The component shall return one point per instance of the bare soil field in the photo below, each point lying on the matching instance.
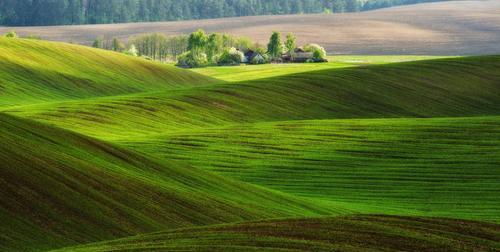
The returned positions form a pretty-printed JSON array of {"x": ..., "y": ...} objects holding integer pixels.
[{"x": 441, "y": 28}]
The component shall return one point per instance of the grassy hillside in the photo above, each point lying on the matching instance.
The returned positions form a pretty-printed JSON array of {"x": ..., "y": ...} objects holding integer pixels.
[
  {"x": 175, "y": 149},
  {"x": 253, "y": 72},
  {"x": 59, "y": 188},
  {"x": 34, "y": 71},
  {"x": 438, "y": 166},
  {"x": 435, "y": 88},
  {"x": 356, "y": 233}
]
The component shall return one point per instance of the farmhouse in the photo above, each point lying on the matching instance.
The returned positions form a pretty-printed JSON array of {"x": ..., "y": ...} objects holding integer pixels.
[
  {"x": 299, "y": 56},
  {"x": 253, "y": 57}
]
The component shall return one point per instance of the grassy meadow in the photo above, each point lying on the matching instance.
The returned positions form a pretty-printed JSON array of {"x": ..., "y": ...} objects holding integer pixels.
[
  {"x": 380, "y": 233},
  {"x": 252, "y": 72},
  {"x": 372, "y": 153},
  {"x": 411, "y": 164}
]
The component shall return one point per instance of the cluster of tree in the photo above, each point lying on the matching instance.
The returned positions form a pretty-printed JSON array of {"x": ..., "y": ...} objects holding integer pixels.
[
  {"x": 378, "y": 4},
  {"x": 154, "y": 46},
  {"x": 220, "y": 49},
  {"x": 67, "y": 12},
  {"x": 201, "y": 49},
  {"x": 11, "y": 34},
  {"x": 215, "y": 48},
  {"x": 159, "y": 47}
]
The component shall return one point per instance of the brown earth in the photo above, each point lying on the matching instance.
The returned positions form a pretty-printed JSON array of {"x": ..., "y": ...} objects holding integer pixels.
[{"x": 442, "y": 28}]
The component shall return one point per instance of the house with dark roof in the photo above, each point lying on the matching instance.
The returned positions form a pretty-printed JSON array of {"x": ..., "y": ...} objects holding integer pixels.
[
  {"x": 299, "y": 56},
  {"x": 253, "y": 57}
]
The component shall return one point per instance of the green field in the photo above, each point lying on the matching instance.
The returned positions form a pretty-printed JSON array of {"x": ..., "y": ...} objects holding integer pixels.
[
  {"x": 253, "y": 72},
  {"x": 97, "y": 146},
  {"x": 412, "y": 164},
  {"x": 435, "y": 88},
  {"x": 34, "y": 71},
  {"x": 353, "y": 233},
  {"x": 58, "y": 186}
]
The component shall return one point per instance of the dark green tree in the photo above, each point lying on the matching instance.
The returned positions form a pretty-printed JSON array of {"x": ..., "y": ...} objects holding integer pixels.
[
  {"x": 274, "y": 47},
  {"x": 197, "y": 41},
  {"x": 214, "y": 46}
]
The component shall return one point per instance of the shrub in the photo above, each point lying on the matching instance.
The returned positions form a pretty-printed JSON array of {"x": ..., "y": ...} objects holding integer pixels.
[
  {"x": 132, "y": 51},
  {"x": 259, "y": 59},
  {"x": 231, "y": 57},
  {"x": 11, "y": 34},
  {"x": 318, "y": 56},
  {"x": 319, "y": 53},
  {"x": 191, "y": 60}
]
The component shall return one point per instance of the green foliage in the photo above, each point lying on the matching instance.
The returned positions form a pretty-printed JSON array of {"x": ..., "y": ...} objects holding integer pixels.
[
  {"x": 215, "y": 46},
  {"x": 191, "y": 59},
  {"x": 243, "y": 44},
  {"x": 319, "y": 56},
  {"x": 117, "y": 45},
  {"x": 259, "y": 59},
  {"x": 319, "y": 53},
  {"x": 197, "y": 41},
  {"x": 230, "y": 57},
  {"x": 98, "y": 43},
  {"x": 159, "y": 47},
  {"x": 221, "y": 49},
  {"x": 11, "y": 34},
  {"x": 274, "y": 47},
  {"x": 68, "y": 12},
  {"x": 132, "y": 51},
  {"x": 315, "y": 47},
  {"x": 290, "y": 44}
]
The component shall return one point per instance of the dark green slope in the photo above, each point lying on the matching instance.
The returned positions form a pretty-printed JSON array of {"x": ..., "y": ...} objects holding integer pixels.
[
  {"x": 59, "y": 188},
  {"x": 35, "y": 71},
  {"x": 435, "y": 88},
  {"x": 437, "y": 166},
  {"x": 352, "y": 233}
]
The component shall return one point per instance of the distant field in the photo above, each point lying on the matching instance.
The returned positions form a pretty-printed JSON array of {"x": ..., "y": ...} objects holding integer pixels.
[{"x": 442, "y": 28}]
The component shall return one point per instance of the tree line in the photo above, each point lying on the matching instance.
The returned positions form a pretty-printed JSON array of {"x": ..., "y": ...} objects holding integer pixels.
[
  {"x": 201, "y": 49},
  {"x": 72, "y": 12},
  {"x": 163, "y": 48}
]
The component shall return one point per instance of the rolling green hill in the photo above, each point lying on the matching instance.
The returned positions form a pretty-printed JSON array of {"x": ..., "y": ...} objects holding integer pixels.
[
  {"x": 96, "y": 146},
  {"x": 355, "y": 233},
  {"x": 435, "y": 88},
  {"x": 437, "y": 166},
  {"x": 60, "y": 188},
  {"x": 35, "y": 71}
]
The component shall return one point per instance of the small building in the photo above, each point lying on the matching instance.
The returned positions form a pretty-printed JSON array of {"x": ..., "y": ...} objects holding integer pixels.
[
  {"x": 248, "y": 56},
  {"x": 299, "y": 56},
  {"x": 252, "y": 57}
]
